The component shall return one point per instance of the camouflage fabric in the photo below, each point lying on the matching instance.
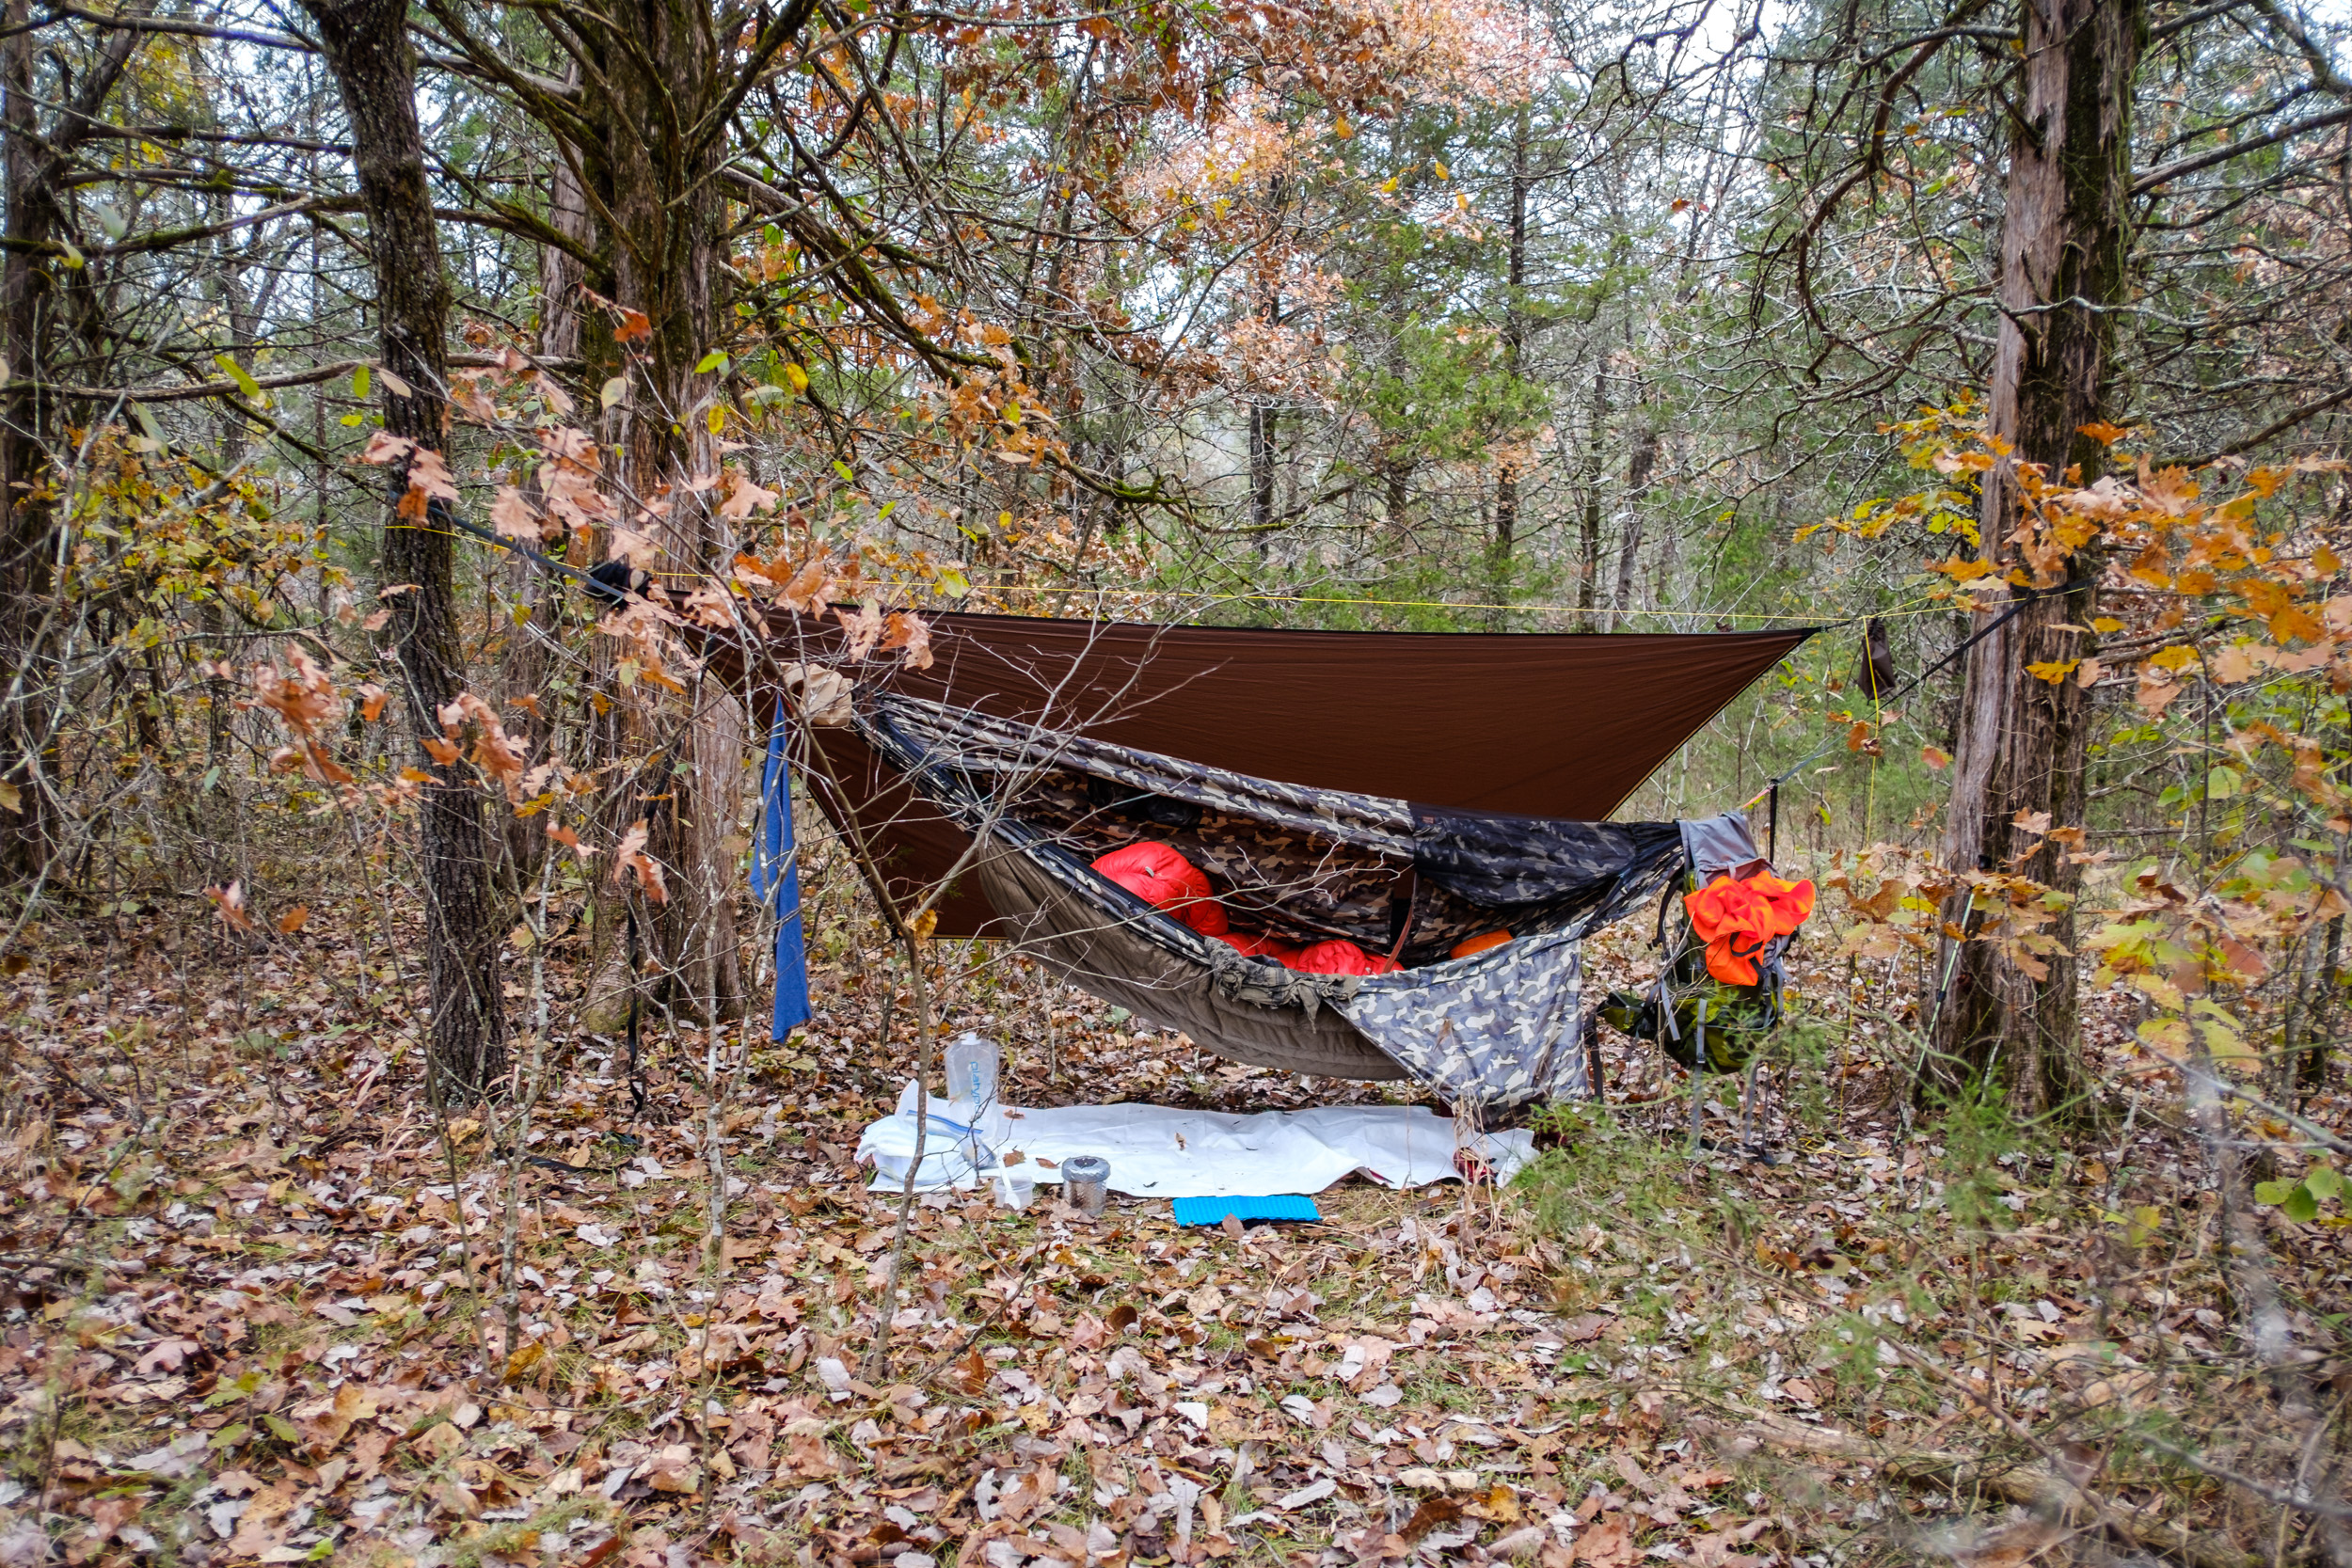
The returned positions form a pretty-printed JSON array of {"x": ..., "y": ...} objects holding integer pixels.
[
  {"x": 1500, "y": 1028},
  {"x": 980, "y": 746},
  {"x": 1551, "y": 870},
  {"x": 1504, "y": 1027}
]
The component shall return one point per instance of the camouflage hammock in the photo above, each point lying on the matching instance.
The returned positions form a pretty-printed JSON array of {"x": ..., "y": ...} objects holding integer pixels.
[{"x": 1502, "y": 1027}]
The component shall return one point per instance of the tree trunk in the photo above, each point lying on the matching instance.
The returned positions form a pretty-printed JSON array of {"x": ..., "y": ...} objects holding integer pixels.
[
  {"x": 24, "y": 515},
  {"x": 2311, "y": 1074},
  {"x": 647, "y": 128},
  {"x": 1514, "y": 341},
  {"x": 31, "y": 157},
  {"x": 1588, "y": 564},
  {"x": 1261, "y": 454},
  {"x": 1265, "y": 422},
  {"x": 1396, "y": 500},
  {"x": 1641, "y": 461},
  {"x": 366, "y": 43},
  {"x": 536, "y": 606},
  {"x": 2024, "y": 741},
  {"x": 662, "y": 194}
]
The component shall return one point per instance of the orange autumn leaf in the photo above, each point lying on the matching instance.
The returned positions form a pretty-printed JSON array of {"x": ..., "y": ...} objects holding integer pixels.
[
  {"x": 913, "y": 633},
  {"x": 569, "y": 840},
  {"x": 744, "y": 497},
  {"x": 305, "y": 698},
  {"x": 864, "y": 629},
  {"x": 630, "y": 856},
  {"x": 495, "y": 751},
  {"x": 384, "y": 447},
  {"x": 428, "y": 472},
  {"x": 229, "y": 902},
  {"x": 513, "y": 516}
]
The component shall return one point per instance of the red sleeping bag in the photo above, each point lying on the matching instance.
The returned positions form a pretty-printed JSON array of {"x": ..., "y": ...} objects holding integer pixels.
[
  {"x": 1251, "y": 946},
  {"x": 1166, "y": 881},
  {"x": 1340, "y": 956}
]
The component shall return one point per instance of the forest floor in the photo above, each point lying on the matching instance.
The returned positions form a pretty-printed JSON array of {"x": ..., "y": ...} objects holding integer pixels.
[{"x": 256, "y": 1310}]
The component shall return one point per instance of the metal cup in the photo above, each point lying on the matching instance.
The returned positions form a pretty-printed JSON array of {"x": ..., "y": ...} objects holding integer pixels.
[{"x": 1085, "y": 1183}]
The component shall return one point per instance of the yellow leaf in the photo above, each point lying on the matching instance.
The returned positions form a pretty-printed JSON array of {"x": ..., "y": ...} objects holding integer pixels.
[
  {"x": 2052, "y": 671},
  {"x": 245, "y": 384},
  {"x": 13, "y": 798},
  {"x": 2229, "y": 1048},
  {"x": 2167, "y": 1037}
]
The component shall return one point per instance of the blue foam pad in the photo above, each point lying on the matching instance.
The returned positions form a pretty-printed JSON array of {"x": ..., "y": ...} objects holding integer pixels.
[{"x": 1212, "y": 1211}]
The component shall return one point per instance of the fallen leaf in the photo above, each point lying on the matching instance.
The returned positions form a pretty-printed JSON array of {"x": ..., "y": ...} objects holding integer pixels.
[{"x": 1605, "y": 1544}]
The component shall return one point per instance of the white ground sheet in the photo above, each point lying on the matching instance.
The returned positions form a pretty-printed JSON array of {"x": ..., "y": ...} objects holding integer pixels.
[{"x": 1155, "y": 1151}]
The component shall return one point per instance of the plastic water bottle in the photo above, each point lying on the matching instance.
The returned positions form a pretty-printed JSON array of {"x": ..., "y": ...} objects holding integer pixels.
[
  {"x": 971, "y": 1062},
  {"x": 971, "y": 1098}
]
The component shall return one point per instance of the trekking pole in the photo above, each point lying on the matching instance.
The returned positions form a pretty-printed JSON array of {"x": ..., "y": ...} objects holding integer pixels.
[{"x": 1698, "y": 1078}]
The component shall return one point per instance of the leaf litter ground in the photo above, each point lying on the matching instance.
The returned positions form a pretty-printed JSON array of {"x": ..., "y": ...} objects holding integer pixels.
[{"x": 257, "y": 1312}]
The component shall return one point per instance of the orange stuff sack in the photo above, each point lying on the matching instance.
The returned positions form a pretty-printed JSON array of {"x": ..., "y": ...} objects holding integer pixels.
[
  {"x": 1479, "y": 943},
  {"x": 1251, "y": 946},
  {"x": 1166, "y": 881},
  {"x": 1340, "y": 956}
]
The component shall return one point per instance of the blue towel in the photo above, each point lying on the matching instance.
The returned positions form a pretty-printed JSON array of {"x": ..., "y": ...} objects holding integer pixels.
[
  {"x": 1212, "y": 1211},
  {"x": 776, "y": 882}
]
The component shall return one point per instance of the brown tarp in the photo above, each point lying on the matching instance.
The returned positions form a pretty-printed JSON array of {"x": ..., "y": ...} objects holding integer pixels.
[{"x": 1540, "y": 724}]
